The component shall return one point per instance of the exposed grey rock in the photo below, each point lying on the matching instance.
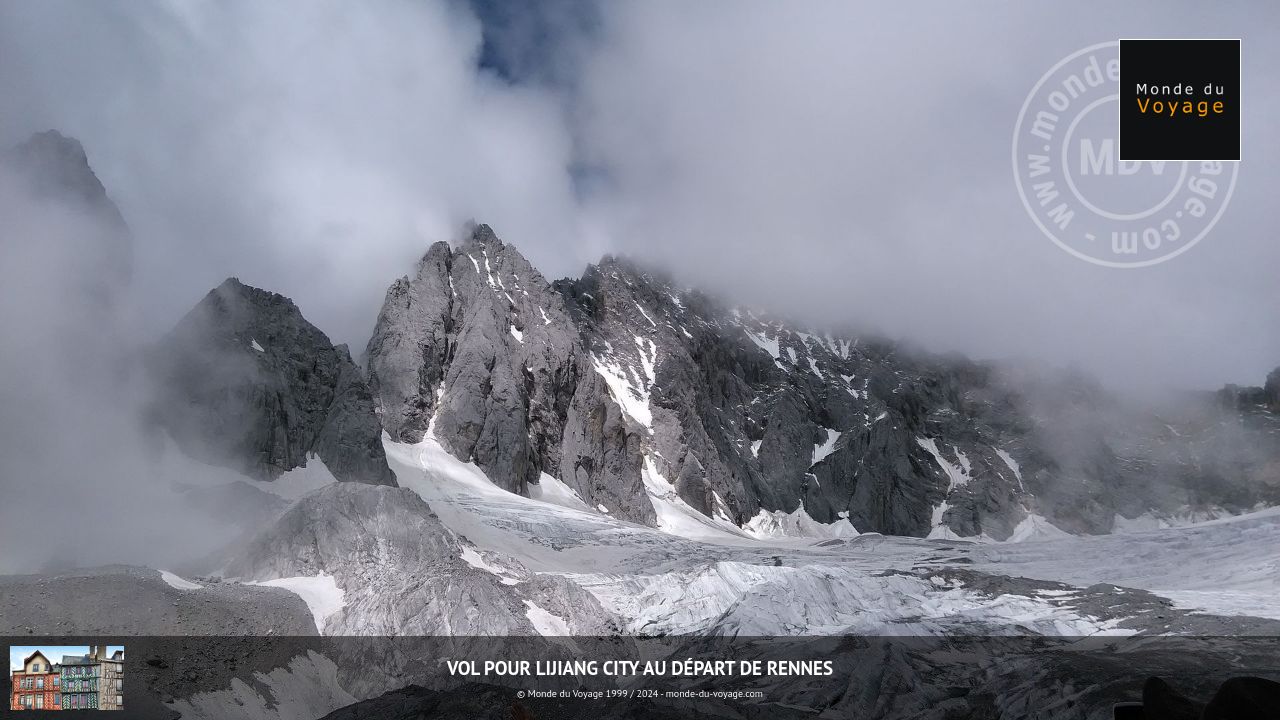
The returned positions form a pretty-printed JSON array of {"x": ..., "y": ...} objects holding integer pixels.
[
  {"x": 244, "y": 381},
  {"x": 599, "y": 380},
  {"x": 125, "y": 601},
  {"x": 479, "y": 347},
  {"x": 403, "y": 572}
]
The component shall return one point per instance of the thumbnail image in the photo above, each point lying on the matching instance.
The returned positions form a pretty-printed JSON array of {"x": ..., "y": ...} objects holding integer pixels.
[{"x": 66, "y": 677}]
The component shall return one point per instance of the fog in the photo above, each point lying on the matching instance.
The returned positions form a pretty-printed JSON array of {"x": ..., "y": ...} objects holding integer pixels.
[
  {"x": 841, "y": 163},
  {"x": 835, "y": 162}
]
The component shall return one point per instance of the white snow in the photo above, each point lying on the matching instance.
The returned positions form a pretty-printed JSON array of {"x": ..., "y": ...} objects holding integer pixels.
[
  {"x": 177, "y": 582},
  {"x": 632, "y": 397},
  {"x": 748, "y": 599},
  {"x": 546, "y": 623},
  {"x": 519, "y": 336},
  {"x": 675, "y": 516},
  {"x": 813, "y": 367},
  {"x": 494, "y": 284},
  {"x": 957, "y": 476},
  {"x": 755, "y": 447},
  {"x": 552, "y": 490},
  {"x": 826, "y": 448},
  {"x": 768, "y": 345},
  {"x": 1013, "y": 465},
  {"x": 545, "y": 320},
  {"x": 1227, "y": 566},
  {"x": 1036, "y": 528},
  {"x": 700, "y": 574},
  {"x": 648, "y": 359},
  {"x": 474, "y": 263},
  {"x": 798, "y": 523},
  {"x": 476, "y": 560},
  {"x": 254, "y": 344},
  {"x": 1182, "y": 518},
  {"x": 321, "y": 594},
  {"x": 646, "y": 315}
]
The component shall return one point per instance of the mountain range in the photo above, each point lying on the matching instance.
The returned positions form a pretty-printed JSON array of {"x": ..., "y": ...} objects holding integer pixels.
[{"x": 619, "y": 456}]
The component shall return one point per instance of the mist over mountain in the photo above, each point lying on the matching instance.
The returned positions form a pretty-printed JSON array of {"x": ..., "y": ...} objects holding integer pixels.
[
  {"x": 316, "y": 151},
  {"x": 649, "y": 401},
  {"x": 343, "y": 339}
]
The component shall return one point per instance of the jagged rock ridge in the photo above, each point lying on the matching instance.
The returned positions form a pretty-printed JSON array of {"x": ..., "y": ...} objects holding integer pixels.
[{"x": 644, "y": 397}]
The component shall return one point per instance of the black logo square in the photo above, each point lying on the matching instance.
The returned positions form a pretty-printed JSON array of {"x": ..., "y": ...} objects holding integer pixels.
[{"x": 1179, "y": 99}]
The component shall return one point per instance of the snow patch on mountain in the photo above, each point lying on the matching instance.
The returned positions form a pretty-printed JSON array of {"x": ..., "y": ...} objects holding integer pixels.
[
  {"x": 677, "y": 517},
  {"x": 1035, "y": 528},
  {"x": 769, "y": 345},
  {"x": 827, "y": 447},
  {"x": 551, "y": 490},
  {"x": 547, "y": 624},
  {"x": 631, "y": 396},
  {"x": 1013, "y": 465},
  {"x": 321, "y": 594},
  {"x": 477, "y": 561},
  {"x": 176, "y": 582},
  {"x": 765, "y": 600},
  {"x": 1227, "y": 566},
  {"x": 776, "y": 525}
]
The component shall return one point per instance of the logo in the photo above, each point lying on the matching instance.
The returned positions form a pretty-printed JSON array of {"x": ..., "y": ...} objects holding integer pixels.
[{"x": 1107, "y": 211}]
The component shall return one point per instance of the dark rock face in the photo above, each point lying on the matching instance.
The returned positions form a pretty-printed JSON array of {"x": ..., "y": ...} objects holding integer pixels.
[
  {"x": 246, "y": 382},
  {"x": 630, "y": 389}
]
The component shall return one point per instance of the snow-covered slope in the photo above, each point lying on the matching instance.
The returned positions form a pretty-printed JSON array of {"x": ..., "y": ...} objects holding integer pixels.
[{"x": 499, "y": 549}]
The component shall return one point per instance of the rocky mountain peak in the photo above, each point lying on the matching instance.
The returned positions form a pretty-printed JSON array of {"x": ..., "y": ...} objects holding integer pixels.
[
  {"x": 662, "y": 406},
  {"x": 245, "y": 381}
]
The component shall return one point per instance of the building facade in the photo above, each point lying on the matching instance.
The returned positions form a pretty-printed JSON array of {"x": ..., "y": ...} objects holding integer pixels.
[
  {"x": 111, "y": 682},
  {"x": 37, "y": 685},
  {"x": 93, "y": 681}
]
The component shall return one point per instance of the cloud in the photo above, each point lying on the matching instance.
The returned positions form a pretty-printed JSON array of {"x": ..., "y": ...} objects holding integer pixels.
[
  {"x": 837, "y": 162},
  {"x": 315, "y": 149},
  {"x": 849, "y": 162}
]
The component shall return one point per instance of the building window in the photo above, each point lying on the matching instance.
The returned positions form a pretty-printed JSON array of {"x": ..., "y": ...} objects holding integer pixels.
[
  {"x": 39, "y": 702},
  {"x": 39, "y": 683},
  {"x": 120, "y": 700}
]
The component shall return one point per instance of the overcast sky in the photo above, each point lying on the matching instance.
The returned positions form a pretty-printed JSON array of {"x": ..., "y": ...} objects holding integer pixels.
[{"x": 842, "y": 161}]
